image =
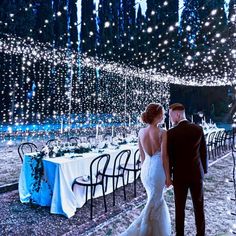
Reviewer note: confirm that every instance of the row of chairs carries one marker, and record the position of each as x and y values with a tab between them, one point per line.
99	169
219	142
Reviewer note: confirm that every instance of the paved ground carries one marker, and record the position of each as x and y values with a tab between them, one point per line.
22	219
10	163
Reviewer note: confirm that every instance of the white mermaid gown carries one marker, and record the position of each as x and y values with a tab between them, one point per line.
154	220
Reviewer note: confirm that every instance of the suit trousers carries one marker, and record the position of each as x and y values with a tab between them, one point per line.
181	192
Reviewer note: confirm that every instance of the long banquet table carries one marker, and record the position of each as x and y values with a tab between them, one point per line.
59	173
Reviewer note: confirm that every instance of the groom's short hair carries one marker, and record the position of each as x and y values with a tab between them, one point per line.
177	107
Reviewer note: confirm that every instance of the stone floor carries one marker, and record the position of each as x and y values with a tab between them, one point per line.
10	163
24	219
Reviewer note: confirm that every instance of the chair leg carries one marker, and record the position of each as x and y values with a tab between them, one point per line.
212	152
113	190
94	188
219	147
128	177
86	194
104	198
134	183
123	179
117	180
91	209
106	184
209	153
216	153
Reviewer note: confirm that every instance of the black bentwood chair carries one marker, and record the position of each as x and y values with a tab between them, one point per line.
98	168
52	142
74	141
116	172
210	145
134	167
26	148
219	142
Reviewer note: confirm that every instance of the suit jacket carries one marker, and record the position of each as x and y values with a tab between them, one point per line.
186	147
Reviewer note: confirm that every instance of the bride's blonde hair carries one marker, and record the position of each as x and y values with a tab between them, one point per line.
151	112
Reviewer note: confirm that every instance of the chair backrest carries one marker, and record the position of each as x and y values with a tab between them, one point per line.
52	142
107	137
91	139
74	140
121	158
206	136
26	148
99	165
211	137
218	135
137	161
222	136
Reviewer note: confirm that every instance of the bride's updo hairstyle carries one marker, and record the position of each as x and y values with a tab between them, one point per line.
151	112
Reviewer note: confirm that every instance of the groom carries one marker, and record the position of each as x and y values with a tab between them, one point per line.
188	163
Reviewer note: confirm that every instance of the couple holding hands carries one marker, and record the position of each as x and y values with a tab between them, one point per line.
175	157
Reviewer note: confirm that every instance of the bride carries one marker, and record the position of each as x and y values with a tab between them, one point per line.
154	220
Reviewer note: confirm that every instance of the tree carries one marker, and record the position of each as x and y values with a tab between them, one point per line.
43	30
88	28
73	24
60	23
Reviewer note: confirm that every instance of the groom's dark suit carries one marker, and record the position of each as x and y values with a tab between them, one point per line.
188	163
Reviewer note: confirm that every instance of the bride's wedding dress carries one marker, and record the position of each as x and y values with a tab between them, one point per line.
154	220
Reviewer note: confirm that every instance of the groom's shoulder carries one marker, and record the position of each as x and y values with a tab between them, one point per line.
171	130
195	126
186	126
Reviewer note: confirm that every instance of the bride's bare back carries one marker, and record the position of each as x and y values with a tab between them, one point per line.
150	139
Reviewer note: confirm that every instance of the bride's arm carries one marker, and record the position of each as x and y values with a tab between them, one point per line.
165	158
141	150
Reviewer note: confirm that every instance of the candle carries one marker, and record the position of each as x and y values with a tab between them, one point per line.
96	131
112	131
129	120
61	126
192	118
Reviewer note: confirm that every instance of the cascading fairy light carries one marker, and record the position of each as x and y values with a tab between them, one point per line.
172	27
43	52
37	71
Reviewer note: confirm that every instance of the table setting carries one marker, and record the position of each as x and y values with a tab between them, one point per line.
46	176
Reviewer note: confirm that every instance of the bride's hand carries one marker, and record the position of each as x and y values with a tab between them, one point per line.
168	182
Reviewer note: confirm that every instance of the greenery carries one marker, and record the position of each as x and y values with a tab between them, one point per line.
122	142
37	170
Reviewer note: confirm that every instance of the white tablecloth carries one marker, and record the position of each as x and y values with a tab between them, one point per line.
59	173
